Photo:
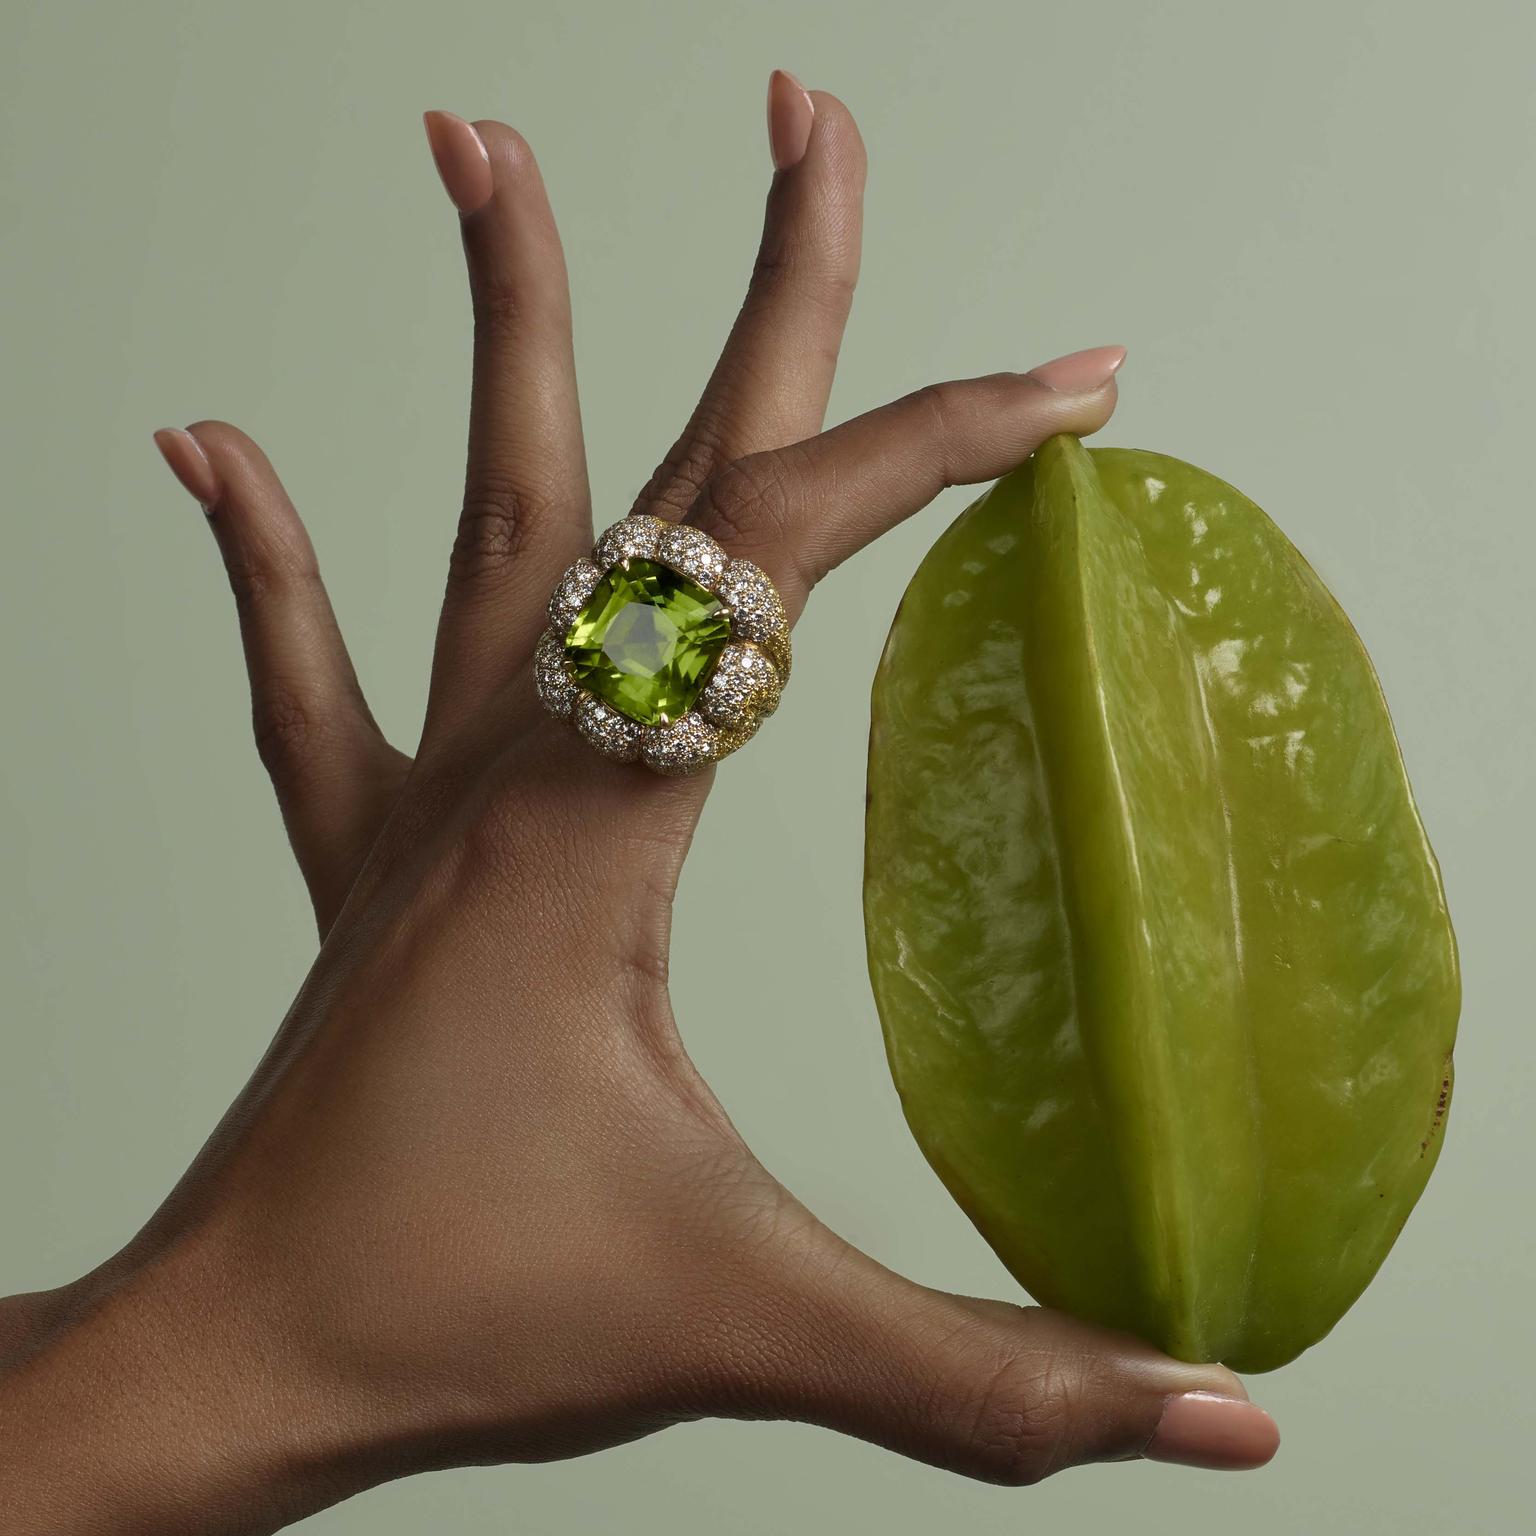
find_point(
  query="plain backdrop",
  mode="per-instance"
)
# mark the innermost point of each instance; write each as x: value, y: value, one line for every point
x: 1311, y: 223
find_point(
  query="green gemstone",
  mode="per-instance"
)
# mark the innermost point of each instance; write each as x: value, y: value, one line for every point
x: 646, y: 641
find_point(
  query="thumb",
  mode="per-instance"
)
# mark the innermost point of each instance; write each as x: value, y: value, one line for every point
x: 1002, y: 1393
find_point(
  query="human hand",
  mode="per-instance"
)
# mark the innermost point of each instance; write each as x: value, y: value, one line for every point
x: 476, y: 1203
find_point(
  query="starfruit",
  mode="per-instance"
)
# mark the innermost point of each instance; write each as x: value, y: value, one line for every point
x: 1160, y: 949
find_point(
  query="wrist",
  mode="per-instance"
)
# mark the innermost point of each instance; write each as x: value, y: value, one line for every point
x: 162, y: 1406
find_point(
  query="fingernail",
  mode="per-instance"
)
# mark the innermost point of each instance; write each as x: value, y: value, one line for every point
x: 462, y: 160
x: 189, y: 464
x: 1080, y: 373
x: 790, y: 115
x: 1222, y: 1434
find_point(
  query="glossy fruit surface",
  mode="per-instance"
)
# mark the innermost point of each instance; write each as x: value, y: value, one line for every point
x: 1167, y: 981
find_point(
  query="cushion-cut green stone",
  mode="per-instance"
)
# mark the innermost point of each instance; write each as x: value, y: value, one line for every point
x: 646, y: 640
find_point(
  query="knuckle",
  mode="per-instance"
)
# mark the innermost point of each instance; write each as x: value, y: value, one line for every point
x: 246, y: 580
x: 747, y: 504
x: 506, y: 312
x: 256, y: 577
x: 681, y: 477
x: 936, y: 404
x: 494, y: 528
x: 1021, y: 1423
x: 776, y: 262
x: 498, y: 309
x: 939, y: 407
x: 823, y: 281
x: 285, y: 730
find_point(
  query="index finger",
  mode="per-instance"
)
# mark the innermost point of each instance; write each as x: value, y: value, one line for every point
x: 800, y: 511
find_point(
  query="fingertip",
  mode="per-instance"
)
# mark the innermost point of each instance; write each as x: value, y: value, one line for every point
x: 1080, y: 373
x: 1081, y: 415
x: 1099, y: 407
x: 1228, y: 1383
x: 462, y: 159
x: 1214, y: 1432
x: 210, y: 432
x: 248, y: 487
x: 791, y: 116
x: 507, y: 150
x: 835, y: 120
x: 1078, y: 393
x: 185, y: 458
x: 236, y: 459
x: 519, y: 208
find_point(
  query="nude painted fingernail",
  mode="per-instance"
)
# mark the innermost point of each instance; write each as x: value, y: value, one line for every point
x: 791, y: 112
x: 462, y: 160
x: 189, y: 464
x: 1080, y: 373
x: 1221, y: 1434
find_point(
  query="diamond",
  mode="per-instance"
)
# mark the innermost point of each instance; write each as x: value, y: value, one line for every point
x: 573, y: 589
x: 744, y: 683
x: 691, y: 551
x: 645, y: 641
x: 631, y: 538
x: 753, y: 600
x: 605, y: 728
x: 552, y: 675
x: 757, y: 611
x: 687, y: 745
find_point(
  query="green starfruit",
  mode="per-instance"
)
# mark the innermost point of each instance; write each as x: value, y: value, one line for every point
x: 1160, y: 950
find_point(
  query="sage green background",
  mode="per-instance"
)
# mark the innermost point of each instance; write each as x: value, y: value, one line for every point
x: 1311, y: 223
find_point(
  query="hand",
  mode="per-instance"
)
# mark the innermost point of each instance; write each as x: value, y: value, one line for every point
x: 476, y: 1204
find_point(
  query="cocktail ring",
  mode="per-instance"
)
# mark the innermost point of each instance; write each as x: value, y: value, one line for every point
x: 663, y: 648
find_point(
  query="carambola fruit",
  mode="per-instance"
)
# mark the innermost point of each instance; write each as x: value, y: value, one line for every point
x: 1159, y: 946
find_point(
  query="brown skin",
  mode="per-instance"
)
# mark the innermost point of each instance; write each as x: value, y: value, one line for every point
x: 476, y: 1204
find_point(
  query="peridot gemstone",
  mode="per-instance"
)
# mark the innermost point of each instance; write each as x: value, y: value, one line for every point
x: 646, y: 641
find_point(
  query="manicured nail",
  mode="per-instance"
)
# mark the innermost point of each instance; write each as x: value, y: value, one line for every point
x: 1080, y: 373
x: 1222, y: 1434
x: 462, y: 160
x: 189, y: 464
x: 790, y: 115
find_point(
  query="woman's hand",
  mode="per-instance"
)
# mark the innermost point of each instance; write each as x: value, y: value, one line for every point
x: 476, y: 1204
